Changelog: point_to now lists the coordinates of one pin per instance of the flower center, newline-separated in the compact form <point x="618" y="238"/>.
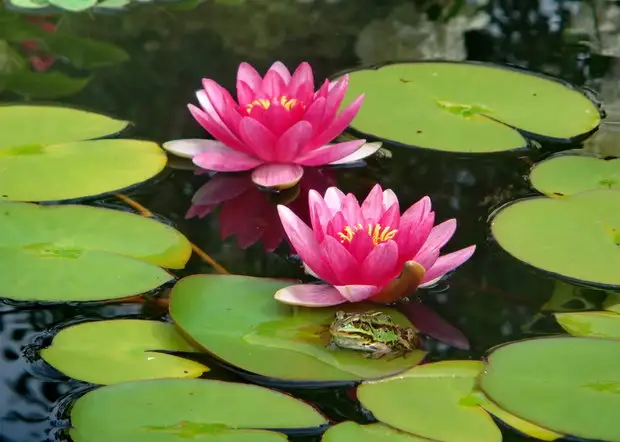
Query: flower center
<point x="377" y="233"/>
<point x="286" y="102"/>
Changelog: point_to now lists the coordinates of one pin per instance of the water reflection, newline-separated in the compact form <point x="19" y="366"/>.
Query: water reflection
<point x="250" y="213"/>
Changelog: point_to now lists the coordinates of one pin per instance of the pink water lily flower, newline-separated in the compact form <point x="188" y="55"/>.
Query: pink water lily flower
<point x="277" y="125"/>
<point x="368" y="252"/>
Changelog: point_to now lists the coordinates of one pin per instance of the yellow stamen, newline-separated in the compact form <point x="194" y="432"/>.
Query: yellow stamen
<point x="287" y="103"/>
<point x="377" y="233"/>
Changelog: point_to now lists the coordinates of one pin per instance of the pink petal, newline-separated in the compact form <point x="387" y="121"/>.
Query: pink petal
<point x="217" y="128"/>
<point x="441" y="234"/>
<point x="305" y="244"/>
<point x="224" y="159"/>
<point x="249" y="76"/>
<point x="302" y="78"/>
<point x="351" y="210"/>
<point x="282" y="71"/>
<point x="416" y="212"/>
<point x="320" y="214"/>
<point x="372" y="207"/>
<point x="314" y="115"/>
<point x="389" y="198"/>
<point x="381" y="265"/>
<point x="338" y="125"/>
<point x="323" y="90"/>
<point x="430" y="323"/>
<point x="329" y="153"/>
<point x="426" y="258"/>
<point x="292" y="141"/>
<point x="276" y="118"/>
<point x="361" y="246"/>
<point x="242" y="217"/>
<point x="357" y="293"/>
<point x="412" y="236"/>
<point x="258" y="138"/>
<point x="278" y="176"/>
<point x="245" y="94"/>
<point x="310" y="295"/>
<point x="189" y="148"/>
<point x="222" y="187"/>
<point x="222" y="102"/>
<point x="391" y="217"/>
<point x="447" y="263"/>
<point x="345" y="267"/>
<point x="333" y="199"/>
<point x="273" y="84"/>
<point x="365" y="151"/>
<point x="337" y="91"/>
<point x="336" y="225"/>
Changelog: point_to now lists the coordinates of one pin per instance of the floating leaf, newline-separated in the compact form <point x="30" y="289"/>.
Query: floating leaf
<point x="167" y="410"/>
<point x="577" y="237"/>
<point x="594" y="324"/>
<point x="466" y="107"/>
<point x="612" y="302"/>
<point x="566" y="384"/>
<point x="237" y="319"/>
<point x="40" y="142"/>
<point x="75" y="170"/>
<point x="569" y="174"/>
<point x="353" y="432"/>
<point x="108" y="352"/>
<point x="73" y="5"/>
<point x="424" y="399"/>
<point x="29" y="4"/>
<point x="43" y="84"/>
<point x="513" y="421"/>
<point x="80" y="253"/>
<point x="43" y="125"/>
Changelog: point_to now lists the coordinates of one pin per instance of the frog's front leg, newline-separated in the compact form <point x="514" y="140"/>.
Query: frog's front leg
<point x="379" y="351"/>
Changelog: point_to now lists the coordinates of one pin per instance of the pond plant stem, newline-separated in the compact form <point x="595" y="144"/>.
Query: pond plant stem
<point x="143" y="211"/>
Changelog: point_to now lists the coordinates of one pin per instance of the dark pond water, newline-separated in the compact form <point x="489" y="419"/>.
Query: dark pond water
<point x="492" y="299"/>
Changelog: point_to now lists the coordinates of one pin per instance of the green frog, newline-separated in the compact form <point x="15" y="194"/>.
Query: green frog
<point x="373" y="332"/>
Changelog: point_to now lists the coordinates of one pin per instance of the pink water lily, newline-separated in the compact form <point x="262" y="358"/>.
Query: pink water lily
<point x="277" y="125"/>
<point x="368" y="252"/>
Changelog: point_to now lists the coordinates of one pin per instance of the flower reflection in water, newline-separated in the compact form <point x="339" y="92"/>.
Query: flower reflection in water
<point x="250" y="213"/>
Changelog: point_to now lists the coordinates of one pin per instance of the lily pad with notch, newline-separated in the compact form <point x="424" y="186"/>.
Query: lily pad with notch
<point x="565" y="175"/>
<point x="398" y="400"/>
<point x="121" y="350"/>
<point x="47" y="144"/>
<point x="595" y="324"/>
<point x="237" y="319"/>
<point x="577" y="237"/>
<point x="354" y="432"/>
<point x="80" y="253"/>
<point x="467" y="107"/>
<point x="175" y="410"/>
<point x="565" y="384"/>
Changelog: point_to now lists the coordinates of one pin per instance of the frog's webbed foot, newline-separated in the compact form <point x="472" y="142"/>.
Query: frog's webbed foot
<point x="332" y="346"/>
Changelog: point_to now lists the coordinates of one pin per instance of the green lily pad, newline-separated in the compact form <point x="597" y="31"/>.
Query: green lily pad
<point x="44" y="85"/>
<point x="565" y="384"/>
<point x="120" y="350"/>
<point x="237" y="319"/>
<point x="22" y="125"/>
<point x="167" y="410"/>
<point x="577" y="237"/>
<point x="594" y="324"/>
<point x="431" y="401"/>
<point x="354" y="432"/>
<point x="81" y="253"/>
<point x="513" y="421"/>
<point x="45" y="144"/>
<point x="569" y="174"/>
<point x="612" y="302"/>
<point x="466" y="107"/>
